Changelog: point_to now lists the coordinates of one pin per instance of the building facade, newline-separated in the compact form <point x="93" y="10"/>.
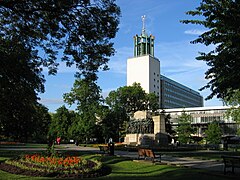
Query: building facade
<point x="144" y="68"/>
<point x="176" y="95"/>
<point x="203" y="116"/>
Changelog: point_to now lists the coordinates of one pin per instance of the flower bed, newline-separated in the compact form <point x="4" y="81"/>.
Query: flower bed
<point x="39" y="165"/>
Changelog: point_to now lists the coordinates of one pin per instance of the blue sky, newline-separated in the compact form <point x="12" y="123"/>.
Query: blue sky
<point x="172" y="48"/>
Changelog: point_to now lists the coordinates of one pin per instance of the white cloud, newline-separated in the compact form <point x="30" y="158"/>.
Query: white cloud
<point x="194" y="31"/>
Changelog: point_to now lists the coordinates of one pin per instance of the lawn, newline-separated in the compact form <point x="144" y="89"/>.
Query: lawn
<point x="124" y="168"/>
<point x="127" y="169"/>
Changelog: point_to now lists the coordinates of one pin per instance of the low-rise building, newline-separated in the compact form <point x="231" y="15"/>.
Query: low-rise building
<point x="202" y="116"/>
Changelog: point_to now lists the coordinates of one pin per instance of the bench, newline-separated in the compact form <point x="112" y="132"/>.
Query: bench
<point x="104" y="149"/>
<point x="231" y="162"/>
<point x="148" y="153"/>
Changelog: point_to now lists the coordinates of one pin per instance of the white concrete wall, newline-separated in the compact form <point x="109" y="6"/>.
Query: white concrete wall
<point x="154" y="76"/>
<point x="146" y="71"/>
<point x="138" y="71"/>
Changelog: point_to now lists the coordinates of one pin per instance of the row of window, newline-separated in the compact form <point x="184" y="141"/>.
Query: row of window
<point x="182" y="99"/>
<point x="186" y="94"/>
<point x="178" y="95"/>
<point x="172" y="104"/>
<point x="180" y="87"/>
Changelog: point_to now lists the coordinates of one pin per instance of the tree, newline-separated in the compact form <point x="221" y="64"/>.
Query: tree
<point x="61" y="123"/>
<point x="234" y="111"/>
<point x="86" y="94"/>
<point x="221" y="18"/>
<point x="125" y="101"/>
<point x="42" y="120"/>
<point x="20" y="81"/>
<point x="34" y="34"/>
<point x="109" y="125"/>
<point x="184" y="129"/>
<point x="213" y="133"/>
<point x="79" y="29"/>
<point x="132" y="98"/>
<point x="168" y="125"/>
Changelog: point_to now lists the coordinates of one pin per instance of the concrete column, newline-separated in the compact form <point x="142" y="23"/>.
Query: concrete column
<point x="159" y="124"/>
<point x="160" y="130"/>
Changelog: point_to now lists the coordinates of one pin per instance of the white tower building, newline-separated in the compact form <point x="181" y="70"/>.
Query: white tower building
<point x="144" y="68"/>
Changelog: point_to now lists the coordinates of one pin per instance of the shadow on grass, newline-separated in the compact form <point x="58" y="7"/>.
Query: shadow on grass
<point x="113" y="159"/>
<point x="169" y="174"/>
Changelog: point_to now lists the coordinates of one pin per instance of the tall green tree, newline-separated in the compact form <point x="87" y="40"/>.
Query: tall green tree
<point x="184" y="129"/>
<point x="213" y="133"/>
<point x="86" y="95"/>
<point x="20" y="82"/>
<point x="221" y="19"/>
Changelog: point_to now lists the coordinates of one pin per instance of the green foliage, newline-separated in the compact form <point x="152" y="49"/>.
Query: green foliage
<point x="221" y="19"/>
<point x="124" y="102"/>
<point x="21" y="116"/>
<point x="168" y="124"/>
<point x="184" y="129"/>
<point x="234" y="102"/>
<point x="33" y="34"/>
<point x="42" y="120"/>
<point x="132" y="98"/>
<point x="213" y="133"/>
<point x="81" y="30"/>
<point x="86" y="94"/>
<point x="110" y="124"/>
<point x="234" y="111"/>
<point x="61" y="123"/>
<point x="20" y="80"/>
<point x="51" y="150"/>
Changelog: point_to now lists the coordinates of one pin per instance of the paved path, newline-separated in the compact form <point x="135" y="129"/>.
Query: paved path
<point x="211" y="165"/>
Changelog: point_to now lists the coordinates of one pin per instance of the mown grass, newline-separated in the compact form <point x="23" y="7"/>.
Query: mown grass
<point x="125" y="168"/>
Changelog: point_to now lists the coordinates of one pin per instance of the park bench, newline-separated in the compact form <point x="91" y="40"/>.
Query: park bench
<point x="104" y="148"/>
<point x="231" y="162"/>
<point x="148" y="153"/>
